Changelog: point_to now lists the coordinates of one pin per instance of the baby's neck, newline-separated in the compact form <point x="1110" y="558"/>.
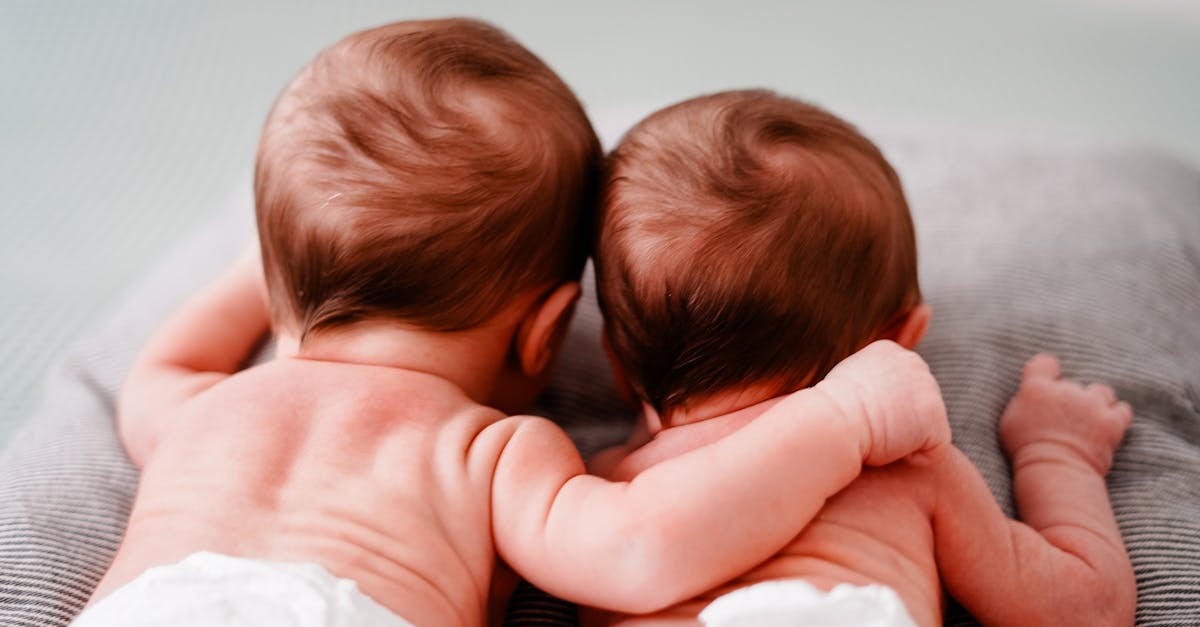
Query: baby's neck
<point x="472" y="360"/>
<point x="706" y="423"/>
<point x="745" y="403"/>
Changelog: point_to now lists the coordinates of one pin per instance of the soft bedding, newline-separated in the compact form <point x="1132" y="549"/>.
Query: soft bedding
<point x="1091" y="252"/>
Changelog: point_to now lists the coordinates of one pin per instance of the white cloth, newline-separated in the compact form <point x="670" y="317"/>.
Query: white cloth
<point x="797" y="603"/>
<point x="210" y="590"/>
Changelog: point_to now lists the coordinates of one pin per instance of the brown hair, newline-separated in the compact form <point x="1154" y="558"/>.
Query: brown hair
<point x="426" y="171"/>
<point x="746" y="238"/>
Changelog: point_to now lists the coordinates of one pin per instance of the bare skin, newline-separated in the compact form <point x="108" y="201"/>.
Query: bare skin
<point x="919" y="528"/>
<point x="373" y="453"/>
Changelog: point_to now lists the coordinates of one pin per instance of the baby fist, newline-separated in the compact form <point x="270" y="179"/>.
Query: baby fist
<point x="1086" y="422"/>
<point x="891" y="393"/>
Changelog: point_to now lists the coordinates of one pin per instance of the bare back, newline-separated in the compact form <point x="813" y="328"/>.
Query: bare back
<point x="373" y="456"/>
<point x="935" y="529"/>
<point x="878" y="530"/>
<point x="380" y="475"/>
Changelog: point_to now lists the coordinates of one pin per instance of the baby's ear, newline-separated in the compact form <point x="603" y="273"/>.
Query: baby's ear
<point x="909" y="330"/>
<point x="624" y="390"/>
<point x="287" y="344"/>
<point x="545" y="326"/>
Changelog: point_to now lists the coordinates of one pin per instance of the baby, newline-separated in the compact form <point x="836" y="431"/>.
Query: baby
<point x="422" y="193"/>
<point x="747" y="243"/>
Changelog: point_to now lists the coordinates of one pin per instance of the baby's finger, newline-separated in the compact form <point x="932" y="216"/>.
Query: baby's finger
<point x="1042" y="365"/>
<point x="1124" y="413"/>
<point x="928" y="456"/>
<point x="1103" y="391"/>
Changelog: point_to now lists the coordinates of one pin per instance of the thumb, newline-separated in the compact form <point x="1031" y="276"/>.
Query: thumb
<point x="1042" y="366"/>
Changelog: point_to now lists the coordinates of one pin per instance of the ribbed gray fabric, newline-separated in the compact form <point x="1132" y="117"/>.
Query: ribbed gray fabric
<point x="1088" y="252"/>
<point x="1092" y="254"/>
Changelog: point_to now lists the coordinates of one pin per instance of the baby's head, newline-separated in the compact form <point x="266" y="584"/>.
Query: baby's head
<point x="749" y="242"/>
<point x="426" y="172"/>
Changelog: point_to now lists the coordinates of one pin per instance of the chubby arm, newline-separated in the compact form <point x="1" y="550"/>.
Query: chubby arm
<point x="691" y="522"/>
<point x="678" y="528"/>
<point x="210" y="337"/>
<point x="1066" y="563"/>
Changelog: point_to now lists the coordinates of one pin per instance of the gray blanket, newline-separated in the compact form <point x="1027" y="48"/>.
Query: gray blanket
<point x="1090" y="252"/>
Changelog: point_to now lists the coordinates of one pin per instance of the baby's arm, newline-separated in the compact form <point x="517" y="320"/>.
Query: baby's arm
<point x="694" y="521"/>
<point x="1066" y="563"/>
<point x="210" y="337"/>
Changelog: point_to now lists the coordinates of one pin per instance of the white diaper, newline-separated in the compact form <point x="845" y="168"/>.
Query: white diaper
<point x="217" y="590"/>
<point x="797" y="603"/>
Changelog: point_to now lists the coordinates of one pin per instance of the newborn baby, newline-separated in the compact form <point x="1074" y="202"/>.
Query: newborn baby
<point x="747" y="243"/>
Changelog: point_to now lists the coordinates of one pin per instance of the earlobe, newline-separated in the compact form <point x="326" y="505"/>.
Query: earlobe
<point x="914" y="326"/>
<point x="624" y="390"/>
<point x="544" y="328"/>
<point x="649" y="425"/>
<point x="286" y="345"/>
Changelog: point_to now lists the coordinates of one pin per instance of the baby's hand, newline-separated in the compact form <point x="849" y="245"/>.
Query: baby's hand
<point x="1087" y="422"/>
<point x="891" y="390"/>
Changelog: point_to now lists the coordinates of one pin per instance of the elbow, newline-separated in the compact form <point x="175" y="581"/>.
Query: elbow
<point x="1104" y="597"/>
<point x="134" y="437"/>
<point x="1116" y="605"/>
<point x="1115" y="589"/>
<point x="135" y="441"/>
<point x="1115" y="610"/>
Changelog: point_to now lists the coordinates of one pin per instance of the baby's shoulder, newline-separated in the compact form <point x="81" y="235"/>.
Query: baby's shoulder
<point x="521" y="430"/>
<point x="532" y="441"/>
<point x="349" y="399"/>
